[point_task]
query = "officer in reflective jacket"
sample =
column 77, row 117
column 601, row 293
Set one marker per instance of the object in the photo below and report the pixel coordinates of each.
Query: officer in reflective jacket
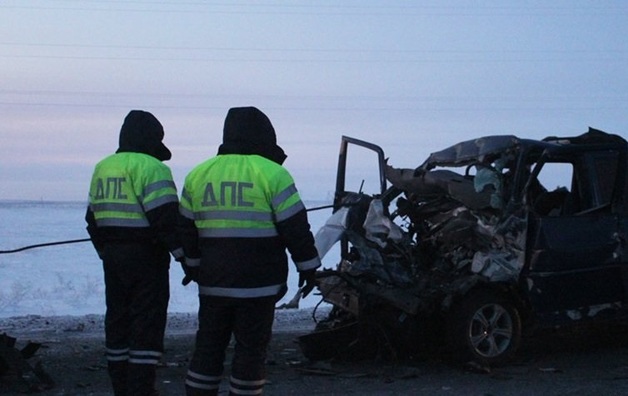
column 240, row 212
column 131, row 218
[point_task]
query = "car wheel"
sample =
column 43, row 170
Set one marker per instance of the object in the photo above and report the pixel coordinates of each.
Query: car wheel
column 486, row 327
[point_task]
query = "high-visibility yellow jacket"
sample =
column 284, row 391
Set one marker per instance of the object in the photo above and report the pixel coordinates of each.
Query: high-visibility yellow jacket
column 240, row 214
column 133, row 197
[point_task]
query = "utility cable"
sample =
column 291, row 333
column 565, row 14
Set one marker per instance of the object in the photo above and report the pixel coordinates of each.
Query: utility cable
column 88, row 239
column 44, row 244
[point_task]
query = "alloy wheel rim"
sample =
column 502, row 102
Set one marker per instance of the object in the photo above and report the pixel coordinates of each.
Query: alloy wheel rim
column 491, row 330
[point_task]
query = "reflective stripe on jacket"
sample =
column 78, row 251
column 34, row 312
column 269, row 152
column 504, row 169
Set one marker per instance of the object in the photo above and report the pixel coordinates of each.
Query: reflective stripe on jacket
column 244, row 196
column 125, row 186
column 241, row 213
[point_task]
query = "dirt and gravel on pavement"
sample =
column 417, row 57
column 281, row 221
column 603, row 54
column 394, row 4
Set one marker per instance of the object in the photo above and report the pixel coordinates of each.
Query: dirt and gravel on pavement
column 589, row 361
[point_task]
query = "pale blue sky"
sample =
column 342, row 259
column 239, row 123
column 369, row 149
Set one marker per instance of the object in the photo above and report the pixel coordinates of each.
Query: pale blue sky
column 411, row 76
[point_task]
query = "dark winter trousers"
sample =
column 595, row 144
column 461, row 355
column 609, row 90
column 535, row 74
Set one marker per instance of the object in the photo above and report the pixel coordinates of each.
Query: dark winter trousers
column 250, row 322
column 137, row 294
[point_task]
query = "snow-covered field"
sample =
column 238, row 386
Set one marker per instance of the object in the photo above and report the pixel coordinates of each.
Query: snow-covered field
column 66, row 280
column 52, row 327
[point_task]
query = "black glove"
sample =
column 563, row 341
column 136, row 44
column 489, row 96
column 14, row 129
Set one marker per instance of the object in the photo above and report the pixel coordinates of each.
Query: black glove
column 307, row 280
column 191, row 273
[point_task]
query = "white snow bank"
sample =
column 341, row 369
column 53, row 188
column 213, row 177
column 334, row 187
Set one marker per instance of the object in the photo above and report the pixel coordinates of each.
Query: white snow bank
column 36, row 326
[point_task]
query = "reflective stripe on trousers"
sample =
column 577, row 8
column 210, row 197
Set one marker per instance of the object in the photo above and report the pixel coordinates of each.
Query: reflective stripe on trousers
column 243, row 387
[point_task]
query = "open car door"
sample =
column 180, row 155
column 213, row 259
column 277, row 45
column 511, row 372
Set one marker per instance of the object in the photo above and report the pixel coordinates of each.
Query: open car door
column 360, row 176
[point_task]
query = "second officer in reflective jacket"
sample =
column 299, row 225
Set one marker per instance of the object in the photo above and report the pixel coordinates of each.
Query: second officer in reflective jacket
column 241, row 211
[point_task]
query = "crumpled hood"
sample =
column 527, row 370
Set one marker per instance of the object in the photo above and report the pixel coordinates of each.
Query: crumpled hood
column 249, row 131
column 141, row 132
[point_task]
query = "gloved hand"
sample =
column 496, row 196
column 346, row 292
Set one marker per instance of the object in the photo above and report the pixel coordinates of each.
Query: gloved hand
column 307, row 280
column 191, row 273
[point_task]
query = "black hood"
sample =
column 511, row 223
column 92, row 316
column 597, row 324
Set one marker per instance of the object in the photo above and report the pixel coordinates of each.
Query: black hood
column 248, row 131
column 141, row 132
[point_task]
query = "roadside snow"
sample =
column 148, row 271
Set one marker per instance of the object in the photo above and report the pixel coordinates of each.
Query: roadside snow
column 34, row 326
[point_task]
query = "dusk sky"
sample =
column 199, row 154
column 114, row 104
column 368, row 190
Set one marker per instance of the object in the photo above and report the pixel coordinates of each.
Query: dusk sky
column 411, row 76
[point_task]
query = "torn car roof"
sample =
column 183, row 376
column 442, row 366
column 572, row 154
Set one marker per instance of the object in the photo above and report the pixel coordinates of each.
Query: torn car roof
column 486, row 147
column 471, row 151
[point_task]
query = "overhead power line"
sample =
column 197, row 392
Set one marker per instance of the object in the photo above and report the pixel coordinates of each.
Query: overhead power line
column 116, row 52
column 352, row 51
column 321, row 8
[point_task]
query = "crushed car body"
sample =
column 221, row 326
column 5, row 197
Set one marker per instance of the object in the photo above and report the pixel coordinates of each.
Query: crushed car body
column 483, row 240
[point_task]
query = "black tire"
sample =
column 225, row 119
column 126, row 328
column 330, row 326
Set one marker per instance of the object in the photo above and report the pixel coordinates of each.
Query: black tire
column 484, row 327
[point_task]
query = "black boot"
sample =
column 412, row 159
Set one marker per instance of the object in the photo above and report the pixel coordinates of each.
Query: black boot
column 189, row 391
column 118, row 373
column 142, row 380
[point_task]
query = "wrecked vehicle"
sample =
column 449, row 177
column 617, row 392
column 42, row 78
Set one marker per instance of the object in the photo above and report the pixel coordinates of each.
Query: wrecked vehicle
column 483, row 241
